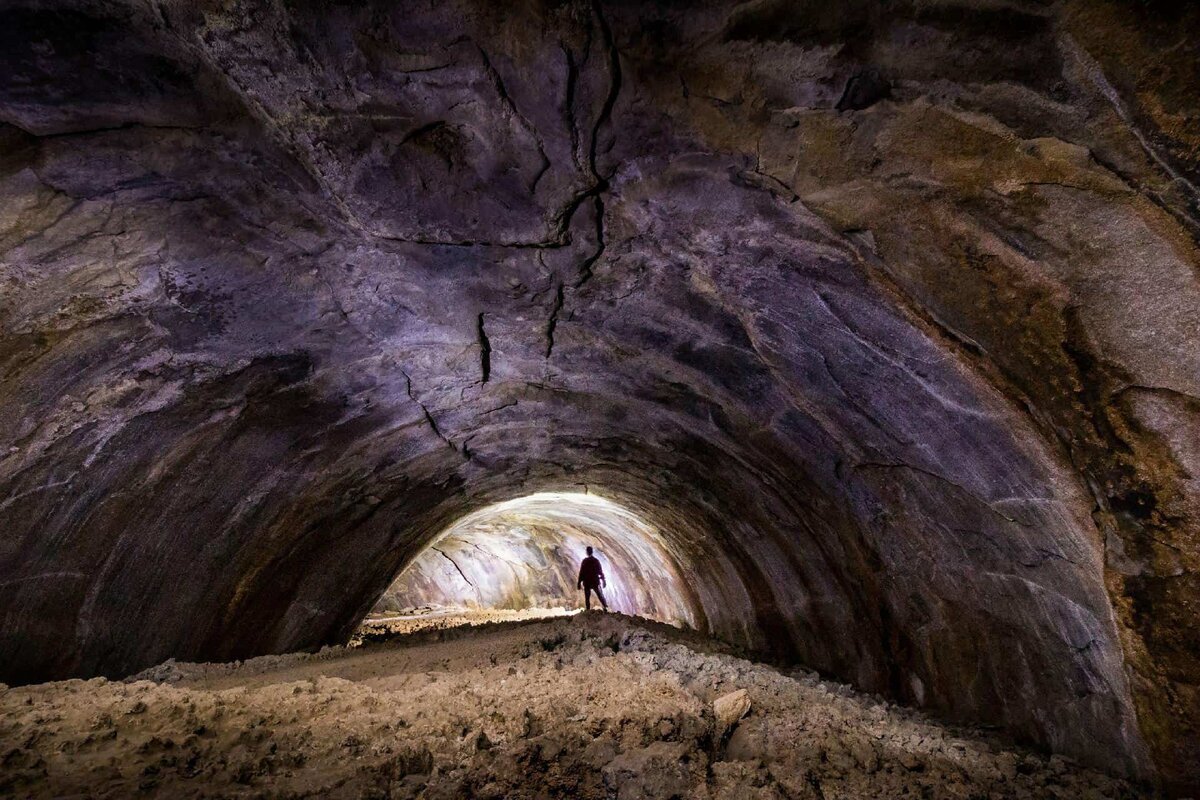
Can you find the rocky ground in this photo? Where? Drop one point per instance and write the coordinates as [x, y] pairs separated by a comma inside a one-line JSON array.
[[384, 627], [585, 706]]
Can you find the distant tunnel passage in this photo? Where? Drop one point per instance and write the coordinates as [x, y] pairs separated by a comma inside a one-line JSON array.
[[525, 553]]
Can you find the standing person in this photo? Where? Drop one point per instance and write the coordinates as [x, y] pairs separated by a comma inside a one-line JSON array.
[[591, 578]]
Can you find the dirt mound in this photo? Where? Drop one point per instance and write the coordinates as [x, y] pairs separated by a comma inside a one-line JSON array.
[[590, 706]]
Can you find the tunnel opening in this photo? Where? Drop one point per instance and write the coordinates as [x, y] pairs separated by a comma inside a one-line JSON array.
[[524, 554]]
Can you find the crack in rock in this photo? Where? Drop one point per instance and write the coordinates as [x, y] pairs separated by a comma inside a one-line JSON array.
[[485, 350]]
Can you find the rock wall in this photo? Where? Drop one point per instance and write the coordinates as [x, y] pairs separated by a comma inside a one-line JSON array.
[[884, 314]]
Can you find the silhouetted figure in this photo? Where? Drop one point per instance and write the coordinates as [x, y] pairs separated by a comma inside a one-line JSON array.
[[591, 578]]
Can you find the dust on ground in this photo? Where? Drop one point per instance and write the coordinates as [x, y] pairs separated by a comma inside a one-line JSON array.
[[587, 706]]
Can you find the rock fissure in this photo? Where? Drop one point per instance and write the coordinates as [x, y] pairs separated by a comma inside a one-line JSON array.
[[552, 322], [426, 415], [485, 350], [457, 568]]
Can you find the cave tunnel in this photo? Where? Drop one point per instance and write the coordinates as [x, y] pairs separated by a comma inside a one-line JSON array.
[[525, 553], [879, 321]]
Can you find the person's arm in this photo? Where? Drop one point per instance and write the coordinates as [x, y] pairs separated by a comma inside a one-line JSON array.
[[603, 580], [579, 580]]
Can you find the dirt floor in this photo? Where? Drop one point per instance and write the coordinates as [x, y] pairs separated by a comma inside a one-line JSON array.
[[585, 706]]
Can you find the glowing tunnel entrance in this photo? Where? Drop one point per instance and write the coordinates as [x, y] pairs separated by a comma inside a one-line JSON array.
[[525, 553]]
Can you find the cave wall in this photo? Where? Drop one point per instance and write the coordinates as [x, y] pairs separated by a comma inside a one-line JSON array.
[[884, 314]]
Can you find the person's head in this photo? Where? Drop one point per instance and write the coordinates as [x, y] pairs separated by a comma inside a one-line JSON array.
[[589, 551]]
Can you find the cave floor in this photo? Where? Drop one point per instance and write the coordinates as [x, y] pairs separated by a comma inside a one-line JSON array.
[[382, 627], [584, 706]]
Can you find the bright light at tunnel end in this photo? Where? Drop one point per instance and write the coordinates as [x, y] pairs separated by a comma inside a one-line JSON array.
[[525, 553]]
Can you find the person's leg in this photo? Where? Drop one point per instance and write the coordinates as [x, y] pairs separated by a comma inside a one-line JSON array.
[[603, 603], [587, 598]]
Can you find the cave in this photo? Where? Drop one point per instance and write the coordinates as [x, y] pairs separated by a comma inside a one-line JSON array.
[[524, 554], [860, 338]]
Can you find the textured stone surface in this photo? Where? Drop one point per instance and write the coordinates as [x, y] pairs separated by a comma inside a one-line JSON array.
[[884, 314], [594, 707]]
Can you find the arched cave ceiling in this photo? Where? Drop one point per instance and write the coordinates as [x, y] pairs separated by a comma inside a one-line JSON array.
[[885, 314]]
